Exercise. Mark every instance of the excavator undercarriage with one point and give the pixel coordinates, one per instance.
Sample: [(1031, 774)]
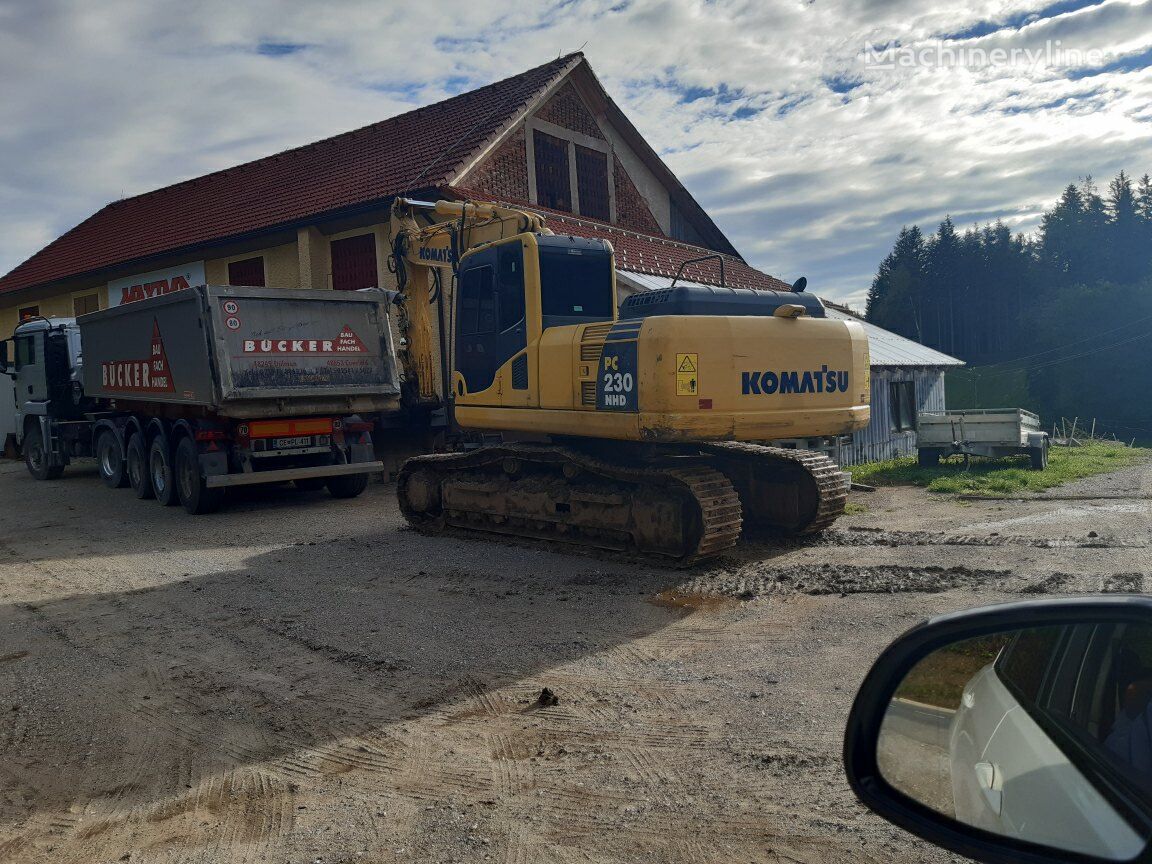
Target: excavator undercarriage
[(679, 504)]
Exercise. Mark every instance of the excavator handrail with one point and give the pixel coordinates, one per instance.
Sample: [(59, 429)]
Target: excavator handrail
[(683, 264)]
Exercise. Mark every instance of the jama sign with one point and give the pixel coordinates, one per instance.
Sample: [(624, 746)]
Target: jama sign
[(133, 293)]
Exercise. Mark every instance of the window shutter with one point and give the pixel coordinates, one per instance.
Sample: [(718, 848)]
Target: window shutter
[(354, 263), (553, 185), (592, 181), (248, 273)]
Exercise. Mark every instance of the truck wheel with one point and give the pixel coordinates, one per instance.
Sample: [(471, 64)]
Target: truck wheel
[(347, 486), (136, 467), (1039, 457), (191, 485), (160, 472), (110, 460), (36, 456), (310, 484), (928, 457)]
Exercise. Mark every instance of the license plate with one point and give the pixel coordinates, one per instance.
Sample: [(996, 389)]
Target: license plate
[(286, 443)]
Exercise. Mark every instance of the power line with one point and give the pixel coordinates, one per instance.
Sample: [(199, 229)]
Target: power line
[(1037, 366), (1091, 338)]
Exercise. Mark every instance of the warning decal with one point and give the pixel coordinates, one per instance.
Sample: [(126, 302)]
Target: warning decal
[(687, 374)]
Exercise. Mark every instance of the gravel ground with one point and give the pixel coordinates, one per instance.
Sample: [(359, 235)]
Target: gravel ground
[(298, 679)]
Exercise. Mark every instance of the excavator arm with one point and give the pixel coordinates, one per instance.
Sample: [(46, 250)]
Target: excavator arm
[(428, 241)]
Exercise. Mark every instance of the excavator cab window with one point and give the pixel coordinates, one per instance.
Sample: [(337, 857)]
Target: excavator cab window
[(491, 328), (575, 282)]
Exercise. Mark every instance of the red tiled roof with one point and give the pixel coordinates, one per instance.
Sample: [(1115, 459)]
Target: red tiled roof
[(644, 253), (422, 149)]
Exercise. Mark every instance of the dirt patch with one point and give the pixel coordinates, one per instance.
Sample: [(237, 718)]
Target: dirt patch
[(862, 536), (841, 579), (300, 679), (1123, 583), (1053, 584)]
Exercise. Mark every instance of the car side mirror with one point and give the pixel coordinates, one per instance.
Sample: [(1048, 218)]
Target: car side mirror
[(1014, 733)]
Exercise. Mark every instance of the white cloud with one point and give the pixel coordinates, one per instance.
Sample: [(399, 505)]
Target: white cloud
[(112, 99)]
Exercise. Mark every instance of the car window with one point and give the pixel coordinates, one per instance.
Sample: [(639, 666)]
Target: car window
[(1091, 686), (1024, 664), (25, 351)]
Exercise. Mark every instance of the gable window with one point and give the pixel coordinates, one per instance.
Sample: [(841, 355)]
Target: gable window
[(902, 395), (29, 312), (248, 273), (85, 304), (354, 263), (592, 183), (553, 181)]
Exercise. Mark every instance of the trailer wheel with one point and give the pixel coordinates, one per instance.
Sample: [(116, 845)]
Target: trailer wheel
[(928, 457), (191, 485), (110, 459), (160, 472), (1039, 457), (36, 455), (136, 467), (347, 486)]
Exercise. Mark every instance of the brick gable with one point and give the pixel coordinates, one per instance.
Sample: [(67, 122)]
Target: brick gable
[(504, 173), (632, 210), (566, 108)]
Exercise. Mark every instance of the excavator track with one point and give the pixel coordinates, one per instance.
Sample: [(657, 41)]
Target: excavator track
[(683, 506), (791, 492), (679, 509)]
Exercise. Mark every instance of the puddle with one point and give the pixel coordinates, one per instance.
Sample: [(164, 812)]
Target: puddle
[(693, 602)]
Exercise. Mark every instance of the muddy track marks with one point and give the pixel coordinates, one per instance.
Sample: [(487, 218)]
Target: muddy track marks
[(756, 581), (1122, 583), (862, 536)]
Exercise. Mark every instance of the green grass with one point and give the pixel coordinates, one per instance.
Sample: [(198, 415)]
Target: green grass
[(940, 678), (1001, 476)]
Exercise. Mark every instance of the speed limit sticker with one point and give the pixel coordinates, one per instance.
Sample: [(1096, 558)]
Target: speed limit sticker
[(231, 307), (232, 322)]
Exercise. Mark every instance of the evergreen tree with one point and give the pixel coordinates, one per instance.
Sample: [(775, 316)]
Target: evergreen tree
[(1126, 257), (1144, 199), (943, 270), (1060, 233), (895, 296)]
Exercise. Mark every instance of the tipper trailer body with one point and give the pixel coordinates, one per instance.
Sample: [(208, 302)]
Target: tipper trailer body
[(183, 395)]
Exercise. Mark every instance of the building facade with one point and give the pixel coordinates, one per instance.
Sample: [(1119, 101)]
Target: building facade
[(317, 216), (907, 380)]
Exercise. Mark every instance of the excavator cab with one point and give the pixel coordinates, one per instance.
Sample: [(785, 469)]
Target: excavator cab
[(508, 293)]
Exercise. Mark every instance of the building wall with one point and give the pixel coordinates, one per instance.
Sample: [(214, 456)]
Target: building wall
[(281, 266), (879, 442)]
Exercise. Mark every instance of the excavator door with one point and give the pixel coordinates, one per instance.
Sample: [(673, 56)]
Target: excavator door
[(491, 326)]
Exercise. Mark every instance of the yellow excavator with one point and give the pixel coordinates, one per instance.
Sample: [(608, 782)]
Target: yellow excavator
[(627, 428)]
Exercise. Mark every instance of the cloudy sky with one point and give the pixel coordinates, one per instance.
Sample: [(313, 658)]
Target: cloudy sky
[(810, 129)]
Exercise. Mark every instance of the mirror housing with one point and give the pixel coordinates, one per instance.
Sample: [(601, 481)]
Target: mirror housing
[(862, 745)]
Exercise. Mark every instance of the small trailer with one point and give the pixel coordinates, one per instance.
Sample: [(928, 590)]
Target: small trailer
[(184, 395), (991, 432)]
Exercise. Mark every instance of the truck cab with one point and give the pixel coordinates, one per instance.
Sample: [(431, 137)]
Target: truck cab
[(45, 367)]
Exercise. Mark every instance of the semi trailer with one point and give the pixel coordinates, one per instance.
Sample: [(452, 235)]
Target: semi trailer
[(185, 395)]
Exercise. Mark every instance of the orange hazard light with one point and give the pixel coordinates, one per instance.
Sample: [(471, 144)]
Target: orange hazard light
[(284, 428)]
